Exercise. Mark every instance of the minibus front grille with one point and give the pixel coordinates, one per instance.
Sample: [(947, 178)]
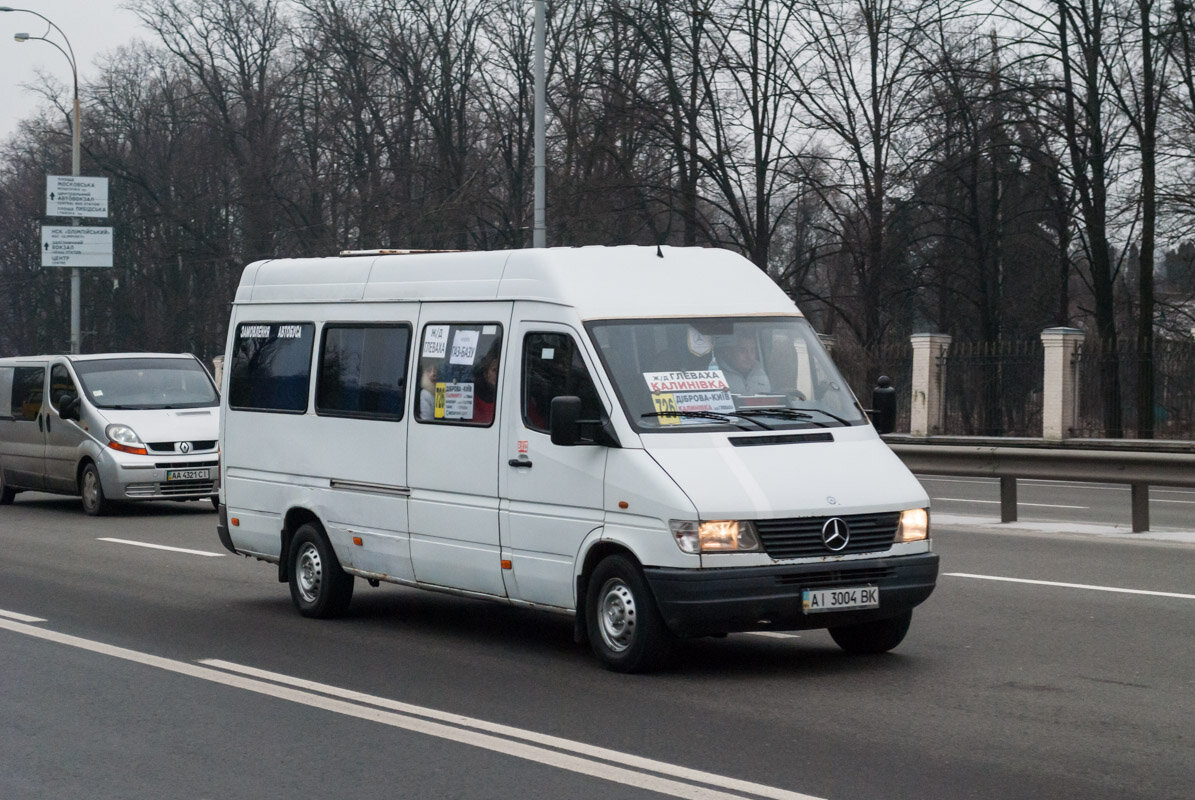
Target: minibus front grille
[(836, 577), (171, 489), (801, 537), (185, 464), (172, 447)]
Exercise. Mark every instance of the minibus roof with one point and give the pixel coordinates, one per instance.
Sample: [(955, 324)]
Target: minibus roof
[(599, 282), (96, 356)]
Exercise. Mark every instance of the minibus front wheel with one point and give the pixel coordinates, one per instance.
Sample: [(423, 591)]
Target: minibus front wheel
[(625, 628), (92, 491), (318, 586)]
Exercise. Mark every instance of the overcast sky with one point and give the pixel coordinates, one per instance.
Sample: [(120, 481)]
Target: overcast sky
[(93, 27)]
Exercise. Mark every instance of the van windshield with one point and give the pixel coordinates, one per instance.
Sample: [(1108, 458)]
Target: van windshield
[(144, 383), (750, 373)]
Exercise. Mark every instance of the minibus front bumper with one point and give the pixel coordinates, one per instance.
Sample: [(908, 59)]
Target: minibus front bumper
[(710, 602), (155, 477)]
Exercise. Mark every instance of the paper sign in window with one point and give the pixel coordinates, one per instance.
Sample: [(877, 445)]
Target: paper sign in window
[(464, 347), (435, 341), (454, 401)]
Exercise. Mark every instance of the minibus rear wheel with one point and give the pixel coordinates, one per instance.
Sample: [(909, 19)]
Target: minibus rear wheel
[(626, 630), (870, 638), (7, 493), (318, 586)]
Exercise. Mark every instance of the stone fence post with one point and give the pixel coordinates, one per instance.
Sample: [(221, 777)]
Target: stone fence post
[(928, 406), (1060, 382)]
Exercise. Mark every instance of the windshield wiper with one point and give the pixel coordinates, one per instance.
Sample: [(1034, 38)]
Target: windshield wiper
[(791, 413), (705, 415)]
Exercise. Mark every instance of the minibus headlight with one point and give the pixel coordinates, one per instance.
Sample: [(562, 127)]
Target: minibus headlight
[(914, 525), (124, 439), (718, 536)]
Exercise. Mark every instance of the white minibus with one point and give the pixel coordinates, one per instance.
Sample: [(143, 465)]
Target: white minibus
[(108, 427), (650, 439)]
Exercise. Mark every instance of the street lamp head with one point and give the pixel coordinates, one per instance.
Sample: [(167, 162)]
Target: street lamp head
[(21, 37)]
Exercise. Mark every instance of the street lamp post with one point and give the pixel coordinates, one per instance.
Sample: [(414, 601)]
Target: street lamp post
[(75, 130)]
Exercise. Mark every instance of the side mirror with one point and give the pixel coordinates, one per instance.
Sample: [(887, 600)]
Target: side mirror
[(564, 422), (68, 407)]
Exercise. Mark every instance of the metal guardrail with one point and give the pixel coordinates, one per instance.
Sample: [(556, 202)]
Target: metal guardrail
[(1138, 463)]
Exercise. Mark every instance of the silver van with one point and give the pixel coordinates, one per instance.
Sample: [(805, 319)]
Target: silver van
[(109, 427)]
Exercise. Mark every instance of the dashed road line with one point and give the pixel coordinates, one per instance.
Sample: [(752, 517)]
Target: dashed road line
[(1059, 584), (161, 547)]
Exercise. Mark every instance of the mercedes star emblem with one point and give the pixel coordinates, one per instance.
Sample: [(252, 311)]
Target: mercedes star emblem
[(835, 534)]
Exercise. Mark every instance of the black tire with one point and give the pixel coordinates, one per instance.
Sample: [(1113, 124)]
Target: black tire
[(91, 489), (318, 586), (871, 638), (216, 502), (7, 493), (626, 631)]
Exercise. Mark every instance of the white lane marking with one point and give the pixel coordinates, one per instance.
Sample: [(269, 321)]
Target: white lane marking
[(569, 745), (996, 502), (1183, 502), (773, 634), (613, 772), (161, 547), (1116, 589), (19, 617)]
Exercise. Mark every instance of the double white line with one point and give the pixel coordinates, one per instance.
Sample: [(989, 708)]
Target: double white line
[(598, 762)]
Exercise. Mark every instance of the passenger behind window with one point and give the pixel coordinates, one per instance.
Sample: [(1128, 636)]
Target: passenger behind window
[(485, 385), (427, 390)]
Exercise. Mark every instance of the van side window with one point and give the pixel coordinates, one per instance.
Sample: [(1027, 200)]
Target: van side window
[(27, 392), (458, 373), (271, 366), (363, 371), (61, 385), (552, 367)]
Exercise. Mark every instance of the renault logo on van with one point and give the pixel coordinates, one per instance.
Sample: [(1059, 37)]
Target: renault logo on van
[(835, 534), (184, 447)]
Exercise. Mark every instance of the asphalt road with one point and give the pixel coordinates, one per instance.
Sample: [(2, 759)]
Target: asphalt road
[(1046, 665)]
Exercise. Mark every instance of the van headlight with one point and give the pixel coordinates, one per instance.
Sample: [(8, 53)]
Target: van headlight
[(124, 439), (719, 536), (914, 525)]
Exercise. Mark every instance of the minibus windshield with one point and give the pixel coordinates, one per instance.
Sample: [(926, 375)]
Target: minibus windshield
[(145, 383), (750, 373)]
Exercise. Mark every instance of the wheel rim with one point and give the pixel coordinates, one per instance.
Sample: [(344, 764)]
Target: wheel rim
[(309, 572), (91, 489), (616, 615)]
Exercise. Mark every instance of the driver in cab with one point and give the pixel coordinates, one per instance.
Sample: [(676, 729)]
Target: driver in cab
[(738, 358)]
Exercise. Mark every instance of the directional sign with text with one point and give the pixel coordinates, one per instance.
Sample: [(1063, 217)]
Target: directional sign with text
[(76, 246), (76, 196)]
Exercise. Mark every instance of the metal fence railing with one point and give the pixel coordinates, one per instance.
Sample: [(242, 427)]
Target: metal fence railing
[(1173, 362), (995, 388)]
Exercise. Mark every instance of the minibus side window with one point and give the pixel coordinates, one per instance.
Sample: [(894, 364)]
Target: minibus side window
[(552, 367), (363, 371), (27, 392), (271, 366), (458, 373)]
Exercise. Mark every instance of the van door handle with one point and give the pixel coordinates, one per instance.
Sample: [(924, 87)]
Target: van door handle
[(520, 462), (40, 426), (47, 423)]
